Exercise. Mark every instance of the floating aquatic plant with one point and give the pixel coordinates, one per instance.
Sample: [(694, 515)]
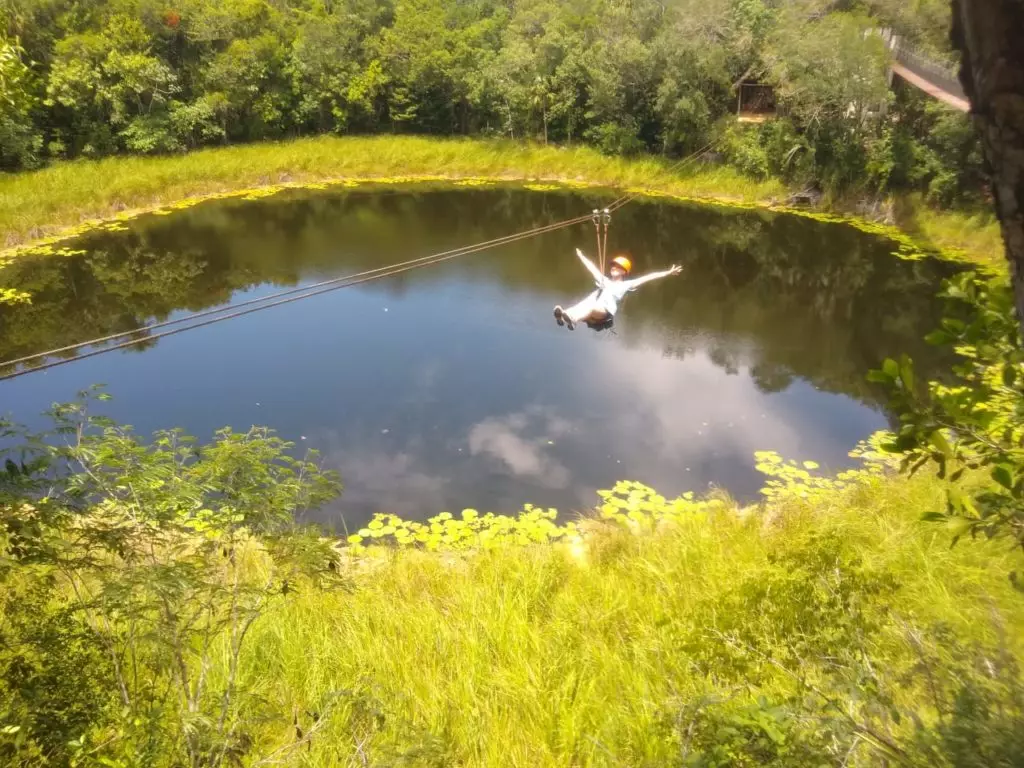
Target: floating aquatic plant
[(632, 505)]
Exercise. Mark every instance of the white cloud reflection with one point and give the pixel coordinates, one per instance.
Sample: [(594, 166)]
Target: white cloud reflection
[(690, 422), (392, 482), (588, 411), (507, 439)]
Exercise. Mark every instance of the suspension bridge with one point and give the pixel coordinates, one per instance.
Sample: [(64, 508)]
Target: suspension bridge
[(935, 79)]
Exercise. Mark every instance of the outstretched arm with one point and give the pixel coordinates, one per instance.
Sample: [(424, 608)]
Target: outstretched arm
[(637, 282), (590, 267)]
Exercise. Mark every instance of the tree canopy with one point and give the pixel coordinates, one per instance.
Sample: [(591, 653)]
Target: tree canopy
[(95, 77)]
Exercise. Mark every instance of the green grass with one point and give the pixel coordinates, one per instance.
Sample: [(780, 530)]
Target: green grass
[(56, 200), (972, 234), (828, 626), (46, 202), (555, 655)]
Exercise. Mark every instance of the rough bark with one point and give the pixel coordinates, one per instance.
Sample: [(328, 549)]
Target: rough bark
[(990, 37)]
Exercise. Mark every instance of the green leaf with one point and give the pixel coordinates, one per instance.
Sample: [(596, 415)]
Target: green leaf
[(891, 368), (906, 441), (773, 733), (938, 338), (1009, 375), (958, 526), (938, 440), (954, 501), (907, 372), (878, 377), (1003, 474)]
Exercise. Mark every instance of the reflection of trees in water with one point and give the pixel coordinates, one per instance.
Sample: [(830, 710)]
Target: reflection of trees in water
[(823, 302), (198, 258), (778, 295)]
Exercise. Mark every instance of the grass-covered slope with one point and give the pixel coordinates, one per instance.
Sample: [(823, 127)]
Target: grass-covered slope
[(835, 629)]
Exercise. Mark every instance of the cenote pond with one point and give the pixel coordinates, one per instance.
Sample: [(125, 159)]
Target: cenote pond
[(452, 386)]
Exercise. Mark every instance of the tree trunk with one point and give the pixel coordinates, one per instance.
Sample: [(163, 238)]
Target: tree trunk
[(990, 37)]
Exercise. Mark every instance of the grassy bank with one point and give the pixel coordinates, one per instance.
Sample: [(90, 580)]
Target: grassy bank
[(715, 637), (49, 201), (182, 620), (972, 235), (57, 199)]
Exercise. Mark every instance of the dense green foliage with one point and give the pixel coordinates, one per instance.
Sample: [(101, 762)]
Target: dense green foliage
[(19, 141), (158, 609), (140, 76), (977, 421), (129, 587)]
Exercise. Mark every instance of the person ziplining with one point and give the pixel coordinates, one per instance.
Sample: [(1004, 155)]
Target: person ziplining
[(598, 309)]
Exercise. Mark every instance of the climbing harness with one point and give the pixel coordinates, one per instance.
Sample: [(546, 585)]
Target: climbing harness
[(602, 219), (143, 334)]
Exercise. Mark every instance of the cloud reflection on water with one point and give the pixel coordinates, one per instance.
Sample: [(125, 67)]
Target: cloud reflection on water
[(634, 413), (506, 439), (692, 421)]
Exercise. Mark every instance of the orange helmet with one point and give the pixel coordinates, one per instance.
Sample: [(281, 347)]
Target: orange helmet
[(623, 263)]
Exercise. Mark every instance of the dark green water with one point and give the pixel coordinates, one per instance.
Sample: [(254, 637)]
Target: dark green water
[(452, 387)]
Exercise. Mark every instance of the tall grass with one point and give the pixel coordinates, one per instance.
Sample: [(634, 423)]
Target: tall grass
[(546, 656), (54, 200), (44, 202), (970, 232)]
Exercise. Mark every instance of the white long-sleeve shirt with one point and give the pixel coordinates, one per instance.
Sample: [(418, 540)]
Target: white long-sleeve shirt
[(610, 292)]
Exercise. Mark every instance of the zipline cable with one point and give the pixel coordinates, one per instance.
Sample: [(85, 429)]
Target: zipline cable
[(261, 299), (692, 157), (602, 218), (217, 314), (283, 297), (604, 240)]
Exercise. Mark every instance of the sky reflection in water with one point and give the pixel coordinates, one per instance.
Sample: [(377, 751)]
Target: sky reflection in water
[(452, 387)]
